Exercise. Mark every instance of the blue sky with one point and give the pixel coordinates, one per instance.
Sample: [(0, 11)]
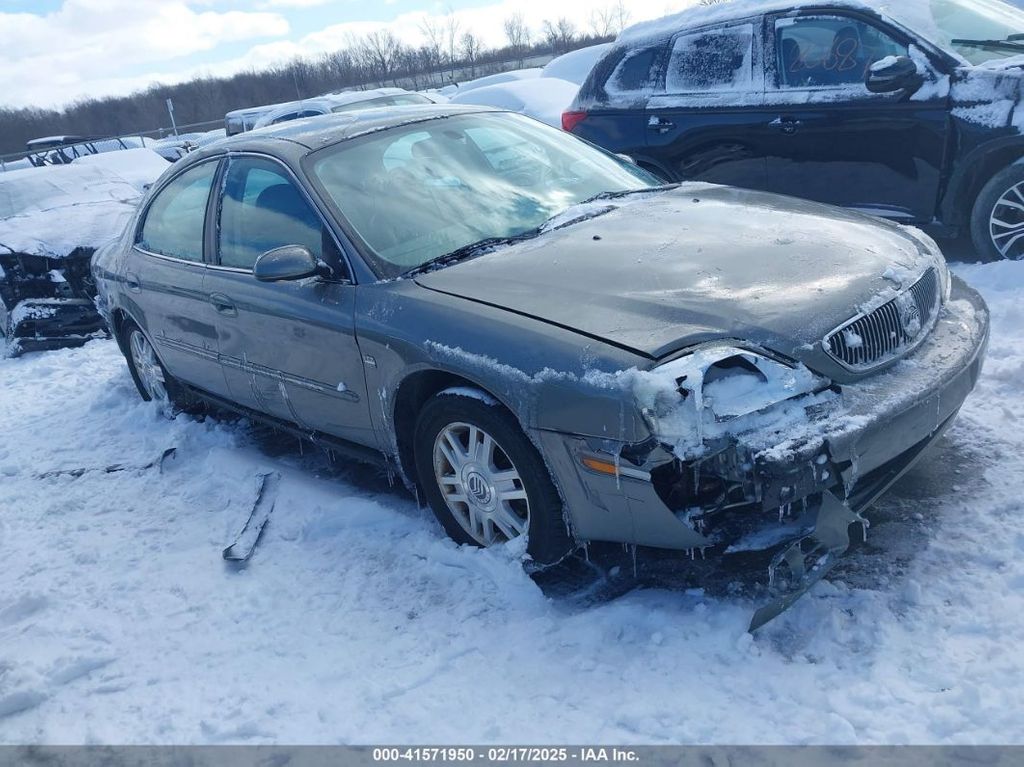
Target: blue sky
[(55, 51)]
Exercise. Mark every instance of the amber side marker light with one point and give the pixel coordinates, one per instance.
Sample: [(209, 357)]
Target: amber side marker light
[(602, 467)]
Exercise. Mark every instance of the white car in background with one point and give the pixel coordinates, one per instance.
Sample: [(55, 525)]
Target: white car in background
[(542, 98), (52, 219), (346, 101)]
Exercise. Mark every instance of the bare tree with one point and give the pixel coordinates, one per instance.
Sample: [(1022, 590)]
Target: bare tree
[(431, 52), (451, 35), (609, 20), (380, 51), (621, 16), (470, 49), (559, 34), (517, 33)]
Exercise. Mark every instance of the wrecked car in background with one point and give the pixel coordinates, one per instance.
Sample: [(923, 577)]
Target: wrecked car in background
[(542, 339), (905, 109), (52, 219)]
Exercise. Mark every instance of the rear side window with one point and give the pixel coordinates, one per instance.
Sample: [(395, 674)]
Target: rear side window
[(174, 222), (636, 73), (829, 51), (713, 60), (262, 209), (295, 116), (383, 101)]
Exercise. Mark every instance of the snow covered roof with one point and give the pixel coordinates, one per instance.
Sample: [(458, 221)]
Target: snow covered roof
[(575, 65), (738, 9), (55, 209), (496, 79), (543, 98)]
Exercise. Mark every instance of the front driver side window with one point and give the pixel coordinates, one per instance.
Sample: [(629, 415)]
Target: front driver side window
[(174, 221), (829, 51), (262, 209)]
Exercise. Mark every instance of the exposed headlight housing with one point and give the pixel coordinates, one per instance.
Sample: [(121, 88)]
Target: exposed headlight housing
[(716, 389)]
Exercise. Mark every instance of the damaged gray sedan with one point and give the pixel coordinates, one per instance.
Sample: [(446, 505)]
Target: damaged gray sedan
[(542, 339)]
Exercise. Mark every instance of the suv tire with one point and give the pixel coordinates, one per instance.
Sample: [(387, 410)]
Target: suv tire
[(999, 199)]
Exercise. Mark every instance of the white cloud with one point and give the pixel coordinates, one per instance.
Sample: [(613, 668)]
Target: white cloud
[(82, 49), (485, 22)]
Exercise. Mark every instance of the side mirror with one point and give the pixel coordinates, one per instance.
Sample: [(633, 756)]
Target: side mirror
[(290, 262), (892, 74)]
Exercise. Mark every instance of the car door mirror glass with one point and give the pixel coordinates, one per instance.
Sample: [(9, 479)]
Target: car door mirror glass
[(894, 73), (290, 262)]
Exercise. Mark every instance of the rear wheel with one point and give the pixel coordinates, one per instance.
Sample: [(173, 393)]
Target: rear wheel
[(151, 378), (997, 221), (484, 480)]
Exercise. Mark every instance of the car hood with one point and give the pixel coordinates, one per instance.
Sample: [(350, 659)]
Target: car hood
[(656, 273)]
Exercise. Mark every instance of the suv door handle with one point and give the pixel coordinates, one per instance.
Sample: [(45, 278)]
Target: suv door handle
[(660, 124), (132, 281), (223, 305), (787, 125)]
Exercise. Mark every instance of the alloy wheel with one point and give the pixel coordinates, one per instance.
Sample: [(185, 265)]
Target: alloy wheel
[(1006, 222), (480, 484), (148, 367)]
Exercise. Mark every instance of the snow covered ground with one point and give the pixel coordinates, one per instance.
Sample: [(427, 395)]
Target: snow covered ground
[(357, 621)]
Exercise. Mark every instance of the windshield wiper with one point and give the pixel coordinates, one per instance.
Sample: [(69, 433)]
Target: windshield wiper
[(1013, 43), (627, 192), (468, 251)]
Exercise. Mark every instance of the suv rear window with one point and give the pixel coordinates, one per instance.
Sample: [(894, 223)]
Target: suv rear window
[(712, 60), (636, 73)]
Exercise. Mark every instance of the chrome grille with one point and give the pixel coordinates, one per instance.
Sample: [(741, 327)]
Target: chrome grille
[(892, 328)]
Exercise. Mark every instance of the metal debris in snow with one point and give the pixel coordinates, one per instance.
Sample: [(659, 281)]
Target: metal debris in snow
[(158, 463), (244, 543)]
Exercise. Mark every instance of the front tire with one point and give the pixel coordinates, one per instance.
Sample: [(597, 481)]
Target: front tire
[(484, 480), (997, 220)]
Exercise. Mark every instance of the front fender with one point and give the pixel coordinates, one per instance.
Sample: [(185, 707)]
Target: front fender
[(547, 376)]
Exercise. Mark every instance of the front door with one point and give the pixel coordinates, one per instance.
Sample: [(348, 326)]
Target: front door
[(708, 122), (288, 348), (833, 140)]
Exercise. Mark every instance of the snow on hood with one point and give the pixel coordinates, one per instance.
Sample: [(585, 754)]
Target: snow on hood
[(575, 66), (543, 98), (55, 209), (657, 272)]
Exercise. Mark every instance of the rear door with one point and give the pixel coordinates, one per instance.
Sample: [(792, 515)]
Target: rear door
[(833, 140), (288, 348), (707, 122), (166, 275)]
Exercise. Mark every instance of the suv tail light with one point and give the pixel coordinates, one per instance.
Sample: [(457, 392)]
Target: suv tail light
[(571, 119)]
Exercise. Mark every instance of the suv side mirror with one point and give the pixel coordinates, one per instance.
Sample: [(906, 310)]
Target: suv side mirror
[(894, 73), (290, 262)]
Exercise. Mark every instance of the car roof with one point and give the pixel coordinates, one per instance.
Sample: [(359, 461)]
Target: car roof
[(735, 10), (324, 130)]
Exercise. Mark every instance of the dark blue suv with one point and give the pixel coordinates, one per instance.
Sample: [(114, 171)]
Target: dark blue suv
[(906, 109)]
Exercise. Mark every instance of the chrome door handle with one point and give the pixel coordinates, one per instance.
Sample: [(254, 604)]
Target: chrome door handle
[(132, 282), (786, 124), (660, 124), (223, 305)]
